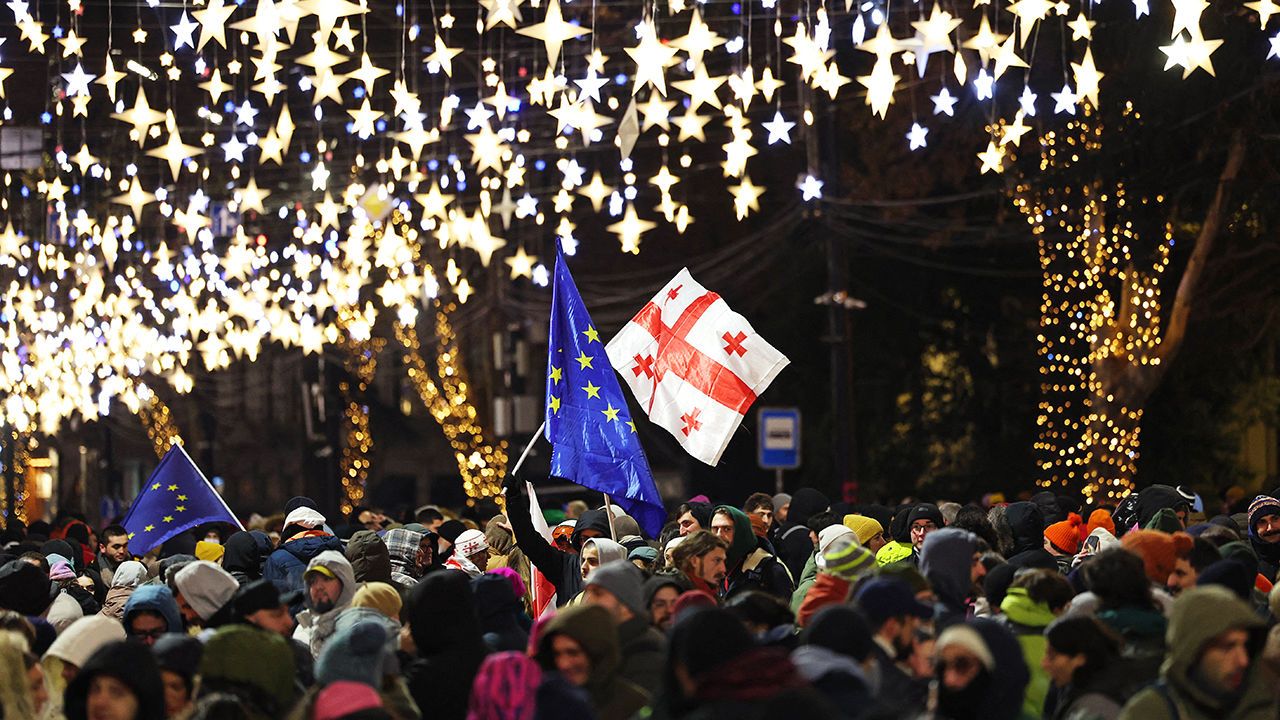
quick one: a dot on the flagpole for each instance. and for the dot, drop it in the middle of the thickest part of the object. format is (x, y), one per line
(608, 508)
(528, 447)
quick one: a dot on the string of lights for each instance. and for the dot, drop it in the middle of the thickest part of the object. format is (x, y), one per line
(158, 421)
(360, 359)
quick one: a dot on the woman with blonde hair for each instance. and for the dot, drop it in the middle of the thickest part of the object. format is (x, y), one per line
(16, 699)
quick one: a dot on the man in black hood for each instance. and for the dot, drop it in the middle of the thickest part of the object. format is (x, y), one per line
(561, 569)
(1027, 523)
(448, 642)
(795, 540)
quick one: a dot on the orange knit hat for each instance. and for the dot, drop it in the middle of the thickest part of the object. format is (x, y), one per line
(1065, 535)
(1099, 519)
(1159, 551)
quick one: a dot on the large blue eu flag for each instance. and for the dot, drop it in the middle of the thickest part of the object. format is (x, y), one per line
(177, 497)
(593, 440)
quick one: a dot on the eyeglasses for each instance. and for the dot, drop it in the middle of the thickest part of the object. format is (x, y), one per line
(924, 527)
(153, 634)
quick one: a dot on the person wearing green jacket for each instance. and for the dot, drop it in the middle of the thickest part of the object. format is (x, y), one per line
(1211, 669)
(1033, 601)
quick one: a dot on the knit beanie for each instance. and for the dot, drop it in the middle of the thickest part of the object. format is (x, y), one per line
(830, 534)
(1159, 551)
(846, 559)
(1262, 506)
(211, 551)
(1231, 574)
(353, 653)
(862, 526)
(24, 588)
(1065, 535)
(451, 529)
(1099, 518)
(179, 654)
(341, 699)
(779, 500)
(625, 582)
(206, 587)
(379, 596)
(248, 656)
(1165, 520)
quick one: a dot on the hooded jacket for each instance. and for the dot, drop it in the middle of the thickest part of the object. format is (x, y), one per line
(1153, 499)
(502, 617)
(561, 569)
(1199, 615)
(750, 566)
(83, 638)
(946, 561)
(793, 543)
(442, 620)
(24, 588)
(402, 549)
(315, 628)
(286, 566)
(208, 589)
(157, 599)
(369, 556)
(1028, 619)
(243, 557)
(130, 663)
(612, 696)
(1026, 521)
(127, 577)
(1002, 698)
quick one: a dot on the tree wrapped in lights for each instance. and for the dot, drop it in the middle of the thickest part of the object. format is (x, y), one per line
(360, 359)
(157, 420)
(1104, 346)
(481, 461)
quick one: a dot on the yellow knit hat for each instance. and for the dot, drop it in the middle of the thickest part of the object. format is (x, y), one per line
(210, 551)
(862, 526)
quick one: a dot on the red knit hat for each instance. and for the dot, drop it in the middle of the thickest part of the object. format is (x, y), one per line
(1065, 535)
(1100, 519)
(1159, 551)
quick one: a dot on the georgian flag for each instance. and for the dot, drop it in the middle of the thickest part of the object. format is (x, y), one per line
(694, 365)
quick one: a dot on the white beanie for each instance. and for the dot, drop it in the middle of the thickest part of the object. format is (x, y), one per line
(84, 637)
(966, 637)
(305, 517)
(469, 543)
(831, 534)
(206, 587)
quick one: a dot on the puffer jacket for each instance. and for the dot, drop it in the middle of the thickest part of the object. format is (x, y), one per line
(288, 563)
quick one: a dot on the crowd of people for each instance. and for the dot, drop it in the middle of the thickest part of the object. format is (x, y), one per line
(782, 606)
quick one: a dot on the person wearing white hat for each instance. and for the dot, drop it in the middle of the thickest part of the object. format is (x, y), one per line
(470, 554)
(304, 537)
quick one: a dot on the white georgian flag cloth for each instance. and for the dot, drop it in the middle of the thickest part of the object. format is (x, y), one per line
(694, 365)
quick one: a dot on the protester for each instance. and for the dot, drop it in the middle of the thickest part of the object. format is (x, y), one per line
(126, 578)
(750, 566)
(1082, 662)
(1211, 670)
(660, 594)
(869, 531)
(895, 615)
(619, 588)
(408, 561)
(562, 569)
(1187, 568)
(244, 554)
(120, 681)
(150, 613)
(501, 614)
(446, 637)
(113, 549)
(512, 686)
(581, 643)
(331, 584)
(204, 593)
(304, 537)
(836, 655)
(1264, 534)
(700, 557)
(981, 673)
(178, 658)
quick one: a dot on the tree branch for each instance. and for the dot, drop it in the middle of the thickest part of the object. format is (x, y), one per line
(1185, 298)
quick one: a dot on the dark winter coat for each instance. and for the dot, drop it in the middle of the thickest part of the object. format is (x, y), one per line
(561, 569)
(286, 566)
(446, 630)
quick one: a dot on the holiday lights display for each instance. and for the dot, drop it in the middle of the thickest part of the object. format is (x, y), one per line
(220, 176)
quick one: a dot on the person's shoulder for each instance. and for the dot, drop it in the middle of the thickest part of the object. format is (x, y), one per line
(1150, 703)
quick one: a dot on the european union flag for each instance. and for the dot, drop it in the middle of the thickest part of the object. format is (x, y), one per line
(177, 497)
(593, 440)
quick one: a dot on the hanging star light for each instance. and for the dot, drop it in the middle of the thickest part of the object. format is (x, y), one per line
(701, 89)
(183, 32)
(810, 188)
(596, 191)
(746, 197)
(1081, 28)
(553, 31)
(699, 40)
(630, 229)
(135, 197)
(1029, 12)
(1065, 101)
(779, 129)
(656, 112)
(992, 158)
(691, 126)
(174, 151)
(934, 35)
(651, 58)
(1087, 77)
(1186, 16)
(917, 137)
(944, 102)
(441, 57)
(985, 41)
(880, 85)
(213, 22)
(521, 264)
(1191, 55)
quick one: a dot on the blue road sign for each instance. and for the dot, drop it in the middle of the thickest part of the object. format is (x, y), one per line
(779, 438)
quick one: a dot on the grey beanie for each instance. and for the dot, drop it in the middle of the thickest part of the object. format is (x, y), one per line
(625, 581)
(354, 653)
(206, 587)
(779, 500)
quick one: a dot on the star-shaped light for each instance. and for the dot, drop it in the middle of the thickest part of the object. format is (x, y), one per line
(1265, 9)
(985, 41)
(174, 151)
(183, 31)
(944, 103)
(691, 125)
(1029, 12)
(651, 57)
(441, 57)
(1065, 101)
(1190, 54)
(553, 31)
(363, 120)
(136, 198)
(1140, 8)
(1027, 101)
(880, 84)
(984, 84)
(1087, 77)
(810, 188)
(630, 229)
(589, 86)
(917, 137)
(1186, 16)
(215, 86)
(78, 81)
(656, 112)
(501, 12)
(934, 35)
(521, 264)
(768, 84)
(993, 158)
(1006, 57)
(699, 40)
(233, 149)
(1081, 28)
(72, 45)
(213, 22)
(319, 176)
(1275, 47)
(746, 197)
(779, 128)
(701, 88)
(596, 191)
(1013, 132)
(368, 73)
(110, 77)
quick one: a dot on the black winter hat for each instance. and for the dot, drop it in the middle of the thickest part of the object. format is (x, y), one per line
(840, 629)
(925, 511)
(254, 596)
(298, 501)
(24, 588)
(1231, 574)
(451, 529)
(179, 654)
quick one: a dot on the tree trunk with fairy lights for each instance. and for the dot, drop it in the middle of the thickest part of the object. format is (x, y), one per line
(1104, 345)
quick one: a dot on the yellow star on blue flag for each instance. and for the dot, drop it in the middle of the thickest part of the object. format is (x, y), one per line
(176, 487)
(592, 438)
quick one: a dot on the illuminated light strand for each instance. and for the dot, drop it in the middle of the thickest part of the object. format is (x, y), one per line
(158, 422)
(360, 358)
(20, 440)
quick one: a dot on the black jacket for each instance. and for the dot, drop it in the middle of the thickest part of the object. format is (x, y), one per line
(443, 622)
(561, 569)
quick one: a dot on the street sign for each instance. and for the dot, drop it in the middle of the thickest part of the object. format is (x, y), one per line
(779, 438)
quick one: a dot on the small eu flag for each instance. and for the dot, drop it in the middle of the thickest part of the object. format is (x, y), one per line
(593, 440)
(177, 497)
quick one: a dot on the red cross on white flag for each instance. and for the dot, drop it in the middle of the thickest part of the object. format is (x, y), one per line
(694, 364)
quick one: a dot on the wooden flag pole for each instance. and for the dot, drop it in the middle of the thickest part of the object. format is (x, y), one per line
(608, 508)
